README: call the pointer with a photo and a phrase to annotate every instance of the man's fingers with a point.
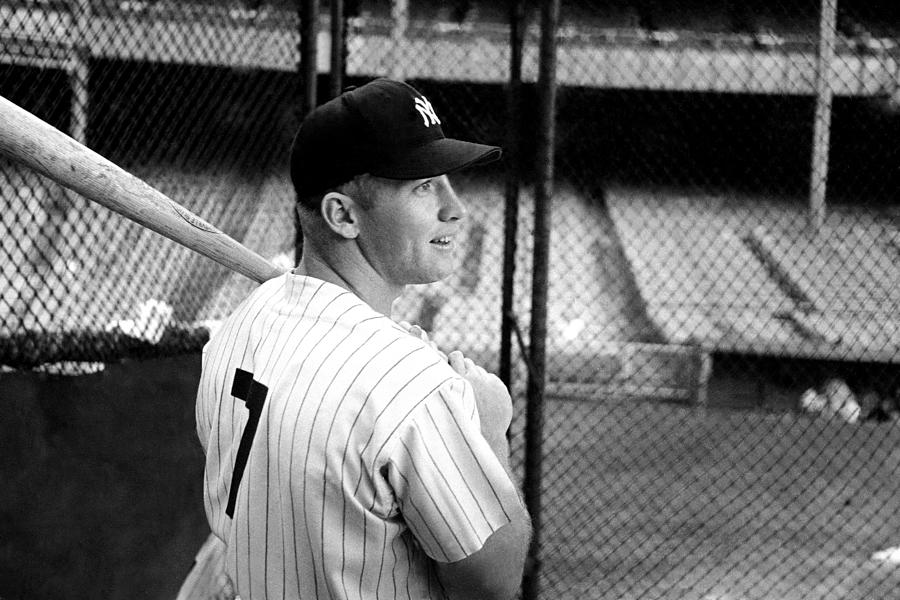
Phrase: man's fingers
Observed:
(413, 330)
(464, 365)
(457, 362)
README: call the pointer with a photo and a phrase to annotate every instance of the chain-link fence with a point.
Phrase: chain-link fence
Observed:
(196, 100)
(730, 430)
(720, 408)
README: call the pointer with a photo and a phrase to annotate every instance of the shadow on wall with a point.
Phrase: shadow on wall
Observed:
(102, 482)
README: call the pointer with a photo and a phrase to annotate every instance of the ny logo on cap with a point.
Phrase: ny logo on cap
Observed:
(427, 111)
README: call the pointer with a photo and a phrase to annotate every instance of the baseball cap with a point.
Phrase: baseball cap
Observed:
(385, 128)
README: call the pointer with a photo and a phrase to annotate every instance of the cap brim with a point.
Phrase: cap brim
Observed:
(437, 157)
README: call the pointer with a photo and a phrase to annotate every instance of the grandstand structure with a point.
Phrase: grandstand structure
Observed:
(768, 60)
(793, 297)
(764, 284)
(95, 318)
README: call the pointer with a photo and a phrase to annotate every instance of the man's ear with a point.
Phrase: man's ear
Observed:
(339, 212)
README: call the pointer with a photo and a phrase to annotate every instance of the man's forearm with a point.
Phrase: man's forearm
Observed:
(495, 571)
(500, 447)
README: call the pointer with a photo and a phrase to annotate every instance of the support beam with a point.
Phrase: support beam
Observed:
(399, 42)
(309, 34)
(822, 126)
(540, 283)
(513, 151)
(79, 71)
(700, 62)
(338, 48)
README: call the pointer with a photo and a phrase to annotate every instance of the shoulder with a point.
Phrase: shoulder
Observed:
(399, 374)
(409, 357)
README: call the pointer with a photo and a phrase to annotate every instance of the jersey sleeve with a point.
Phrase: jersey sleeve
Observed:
(452, 491)
(201, 407)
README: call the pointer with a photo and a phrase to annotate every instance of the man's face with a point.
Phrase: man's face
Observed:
(411, 231)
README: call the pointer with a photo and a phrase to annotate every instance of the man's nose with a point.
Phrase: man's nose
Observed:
(452, 208)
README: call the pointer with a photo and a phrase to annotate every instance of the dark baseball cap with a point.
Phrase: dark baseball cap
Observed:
(384, 128)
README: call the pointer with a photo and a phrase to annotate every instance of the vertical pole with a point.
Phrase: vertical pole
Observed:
(79, 71)
(534, 425)
(822, 125)
(337, 47)
(399, 26)
(513, 173)
(309, 33)
(45, 246)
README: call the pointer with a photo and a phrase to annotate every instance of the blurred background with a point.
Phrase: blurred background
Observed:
(691, 285)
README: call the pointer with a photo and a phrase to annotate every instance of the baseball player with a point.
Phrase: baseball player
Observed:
(346, 457)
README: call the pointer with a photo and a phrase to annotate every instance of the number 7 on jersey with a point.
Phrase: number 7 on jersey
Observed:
(253, 393)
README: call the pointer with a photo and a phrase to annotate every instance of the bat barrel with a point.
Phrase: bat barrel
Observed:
(38, 145)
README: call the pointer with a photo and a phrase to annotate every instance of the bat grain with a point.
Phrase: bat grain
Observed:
(30, 141)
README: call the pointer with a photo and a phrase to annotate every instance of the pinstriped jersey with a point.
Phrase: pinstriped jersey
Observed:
(343, 456)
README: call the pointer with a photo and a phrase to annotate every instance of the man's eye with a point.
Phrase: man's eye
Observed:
(424, 186)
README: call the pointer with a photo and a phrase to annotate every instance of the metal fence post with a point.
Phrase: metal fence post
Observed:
(822, 126)
(517, 27)
(399, 27)
(540, 283)
(309, 33)
(338, 30)
(79, 71)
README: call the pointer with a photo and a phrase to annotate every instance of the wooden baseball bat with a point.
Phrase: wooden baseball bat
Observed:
(38, 145)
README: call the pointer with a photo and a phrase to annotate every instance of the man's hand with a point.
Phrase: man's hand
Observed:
(495, 571)
(492, 398)
(416, 331)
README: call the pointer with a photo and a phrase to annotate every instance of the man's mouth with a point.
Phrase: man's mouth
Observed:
(443, 242)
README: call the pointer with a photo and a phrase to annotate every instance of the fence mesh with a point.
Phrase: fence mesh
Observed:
(730, 430)
(722, 384)
(196, 100)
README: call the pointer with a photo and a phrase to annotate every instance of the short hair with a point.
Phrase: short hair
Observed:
(361, 188)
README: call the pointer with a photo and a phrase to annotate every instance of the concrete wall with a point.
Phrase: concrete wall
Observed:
(101, 493)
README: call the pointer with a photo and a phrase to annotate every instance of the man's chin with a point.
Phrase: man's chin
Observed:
(433, 276)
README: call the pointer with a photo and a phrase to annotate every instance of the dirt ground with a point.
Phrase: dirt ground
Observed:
(101, 494)
(102, 497)
(655, 500)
